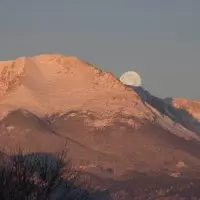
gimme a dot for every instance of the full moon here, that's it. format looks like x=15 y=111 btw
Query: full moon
x=131 y=78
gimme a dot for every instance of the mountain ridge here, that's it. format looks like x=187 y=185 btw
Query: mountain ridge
x=113 y=131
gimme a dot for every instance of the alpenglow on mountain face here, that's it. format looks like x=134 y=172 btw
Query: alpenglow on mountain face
x=112 y=132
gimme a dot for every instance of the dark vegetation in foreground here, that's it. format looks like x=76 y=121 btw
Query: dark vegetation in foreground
x=40 y=177
x=44 y=176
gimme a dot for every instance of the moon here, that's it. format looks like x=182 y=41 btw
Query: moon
x=131 y=78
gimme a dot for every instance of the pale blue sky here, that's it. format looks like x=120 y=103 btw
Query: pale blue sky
x=160 y=39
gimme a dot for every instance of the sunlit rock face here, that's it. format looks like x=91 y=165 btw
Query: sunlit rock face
x=191 y=106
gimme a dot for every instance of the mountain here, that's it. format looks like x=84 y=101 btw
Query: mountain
x=113 y=132
x=191 y=106
x=181 y=111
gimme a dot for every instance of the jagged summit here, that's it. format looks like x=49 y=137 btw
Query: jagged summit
x=52 y=83
x=52 y=66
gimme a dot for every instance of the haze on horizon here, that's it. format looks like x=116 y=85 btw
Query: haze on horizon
x=159 y=39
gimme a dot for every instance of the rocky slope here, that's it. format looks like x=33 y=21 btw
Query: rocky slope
x=111 y=130
x=191 y=106
x=181 y=111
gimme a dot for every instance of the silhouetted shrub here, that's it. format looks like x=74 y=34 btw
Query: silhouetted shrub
x=39 y=177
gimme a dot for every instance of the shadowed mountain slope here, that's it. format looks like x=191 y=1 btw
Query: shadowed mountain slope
x=181 y=111
x=191 y=106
